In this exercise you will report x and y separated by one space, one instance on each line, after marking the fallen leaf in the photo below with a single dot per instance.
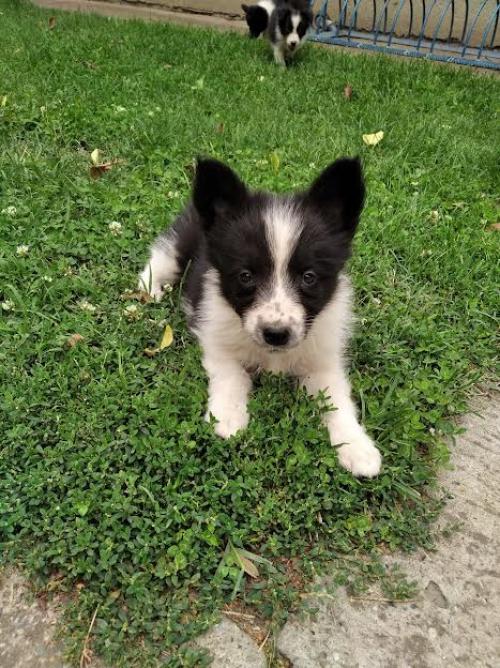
494 226
167 66
139 295
348 92
374 139
275 161
249 568
219 128
167 338
89 64
94 156
73 340
96 171
166 341
52 22
3 100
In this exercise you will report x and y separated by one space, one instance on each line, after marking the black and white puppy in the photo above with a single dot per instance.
265 289
285 23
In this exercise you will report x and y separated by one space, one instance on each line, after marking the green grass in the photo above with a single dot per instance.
111 485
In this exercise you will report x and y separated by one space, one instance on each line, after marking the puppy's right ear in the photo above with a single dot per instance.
245 8
218 193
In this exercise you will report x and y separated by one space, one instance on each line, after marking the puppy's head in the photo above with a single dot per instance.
294 19
257 19
278 257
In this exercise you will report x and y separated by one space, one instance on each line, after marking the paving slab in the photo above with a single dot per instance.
26 628
455 621
230 647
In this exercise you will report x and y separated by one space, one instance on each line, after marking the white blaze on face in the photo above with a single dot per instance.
293 39
278 306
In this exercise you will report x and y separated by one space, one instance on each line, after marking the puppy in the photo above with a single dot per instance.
264 288
285 23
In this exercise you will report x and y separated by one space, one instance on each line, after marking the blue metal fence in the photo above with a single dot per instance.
465 32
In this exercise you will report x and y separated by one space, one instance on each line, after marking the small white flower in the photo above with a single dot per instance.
43 109
9 211
47 279
115 228
120 109
7 305
172 194
22 250
262 77
132 312
87 306
158 108
167 287
376 301
434 216
151 113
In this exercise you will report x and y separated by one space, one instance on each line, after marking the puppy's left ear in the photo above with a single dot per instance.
338 194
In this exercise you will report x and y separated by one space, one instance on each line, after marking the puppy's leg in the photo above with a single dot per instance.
228 390
161 269
279 56
357 453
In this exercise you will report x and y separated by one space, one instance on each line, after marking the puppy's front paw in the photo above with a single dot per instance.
229 421
361 457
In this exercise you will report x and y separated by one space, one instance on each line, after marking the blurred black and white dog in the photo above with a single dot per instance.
265 289
284 22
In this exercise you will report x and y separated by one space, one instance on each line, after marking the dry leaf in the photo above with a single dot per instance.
167 66
52 22
3 100
219 128
167 338
151 352
73 340
94 156
494 226
89 64
275 161
139 295
249 568
348 92
96 171
374 139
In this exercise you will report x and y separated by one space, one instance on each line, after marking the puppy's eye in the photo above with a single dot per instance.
246 277
309 278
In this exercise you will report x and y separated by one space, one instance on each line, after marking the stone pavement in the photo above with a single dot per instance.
455 621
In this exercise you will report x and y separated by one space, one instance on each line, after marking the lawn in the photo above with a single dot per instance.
112 488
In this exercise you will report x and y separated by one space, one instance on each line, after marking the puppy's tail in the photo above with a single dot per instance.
170 254
257 19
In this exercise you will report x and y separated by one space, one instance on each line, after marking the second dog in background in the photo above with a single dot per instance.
284 22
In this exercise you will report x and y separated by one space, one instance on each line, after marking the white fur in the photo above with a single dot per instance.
279 306
318 361
293 38
161 270
268 5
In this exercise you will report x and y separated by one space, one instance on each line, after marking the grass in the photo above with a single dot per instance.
112 488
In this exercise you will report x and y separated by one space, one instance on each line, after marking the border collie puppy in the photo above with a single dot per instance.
285 23
264 288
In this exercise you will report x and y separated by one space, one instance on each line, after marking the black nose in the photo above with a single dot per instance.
275 336
292 45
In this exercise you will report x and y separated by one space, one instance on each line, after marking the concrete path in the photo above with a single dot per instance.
455 621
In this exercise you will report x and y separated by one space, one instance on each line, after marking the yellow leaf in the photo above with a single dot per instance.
167 338
94 156
374 139
3 100
275 161
151 352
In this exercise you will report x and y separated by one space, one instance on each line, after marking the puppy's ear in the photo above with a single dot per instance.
217 192
338 195
245 8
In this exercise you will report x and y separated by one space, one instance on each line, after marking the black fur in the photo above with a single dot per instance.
257 19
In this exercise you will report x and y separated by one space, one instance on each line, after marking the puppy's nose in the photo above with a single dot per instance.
276 336
292 45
